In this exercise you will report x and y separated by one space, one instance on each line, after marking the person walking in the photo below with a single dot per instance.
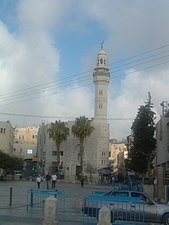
38 180
82 181
54 179
48 178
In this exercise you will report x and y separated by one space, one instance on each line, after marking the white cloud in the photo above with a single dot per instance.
134 93
29 57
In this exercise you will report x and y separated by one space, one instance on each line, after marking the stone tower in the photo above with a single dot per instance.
101 79
98 154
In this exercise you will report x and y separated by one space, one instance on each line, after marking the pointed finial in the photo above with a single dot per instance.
102 43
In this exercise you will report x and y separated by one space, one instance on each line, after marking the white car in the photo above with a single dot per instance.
127 206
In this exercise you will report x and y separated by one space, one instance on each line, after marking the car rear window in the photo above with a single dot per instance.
120 194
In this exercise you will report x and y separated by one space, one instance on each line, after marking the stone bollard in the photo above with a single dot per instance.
50 214
104 216
78 205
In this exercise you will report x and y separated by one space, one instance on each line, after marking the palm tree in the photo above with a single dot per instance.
82 129
58 132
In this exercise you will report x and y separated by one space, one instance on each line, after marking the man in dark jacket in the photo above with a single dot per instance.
48 178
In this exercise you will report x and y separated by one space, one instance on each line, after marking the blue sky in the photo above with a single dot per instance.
48 52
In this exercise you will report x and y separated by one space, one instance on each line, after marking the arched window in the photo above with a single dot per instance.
100 105
100 92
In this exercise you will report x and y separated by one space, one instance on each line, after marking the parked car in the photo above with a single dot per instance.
127 206
18 173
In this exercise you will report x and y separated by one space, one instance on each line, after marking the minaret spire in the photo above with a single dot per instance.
101 79
102 43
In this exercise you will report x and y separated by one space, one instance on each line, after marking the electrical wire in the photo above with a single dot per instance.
43 90
59 117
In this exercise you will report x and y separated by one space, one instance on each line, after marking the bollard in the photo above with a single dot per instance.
31 200
10 196
50 214
104 216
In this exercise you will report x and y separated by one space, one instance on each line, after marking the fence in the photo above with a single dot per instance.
36 198
123 211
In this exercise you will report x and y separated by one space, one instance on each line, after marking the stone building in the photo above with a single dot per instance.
6 137
96 154
162 152
25 142
117 154
25 147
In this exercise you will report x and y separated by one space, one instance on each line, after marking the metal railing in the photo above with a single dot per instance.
36 198
123 211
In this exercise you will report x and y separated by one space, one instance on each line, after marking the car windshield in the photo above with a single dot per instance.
142 197
18 172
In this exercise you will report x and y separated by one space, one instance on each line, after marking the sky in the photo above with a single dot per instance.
48 51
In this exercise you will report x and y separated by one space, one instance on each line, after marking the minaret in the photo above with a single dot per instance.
101 79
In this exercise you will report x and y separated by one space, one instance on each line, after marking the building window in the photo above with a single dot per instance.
29 151
34 136
21 137
61 153
54 166
1 130
100 92
100 105
54 152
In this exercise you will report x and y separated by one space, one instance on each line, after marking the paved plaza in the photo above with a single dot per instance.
18 214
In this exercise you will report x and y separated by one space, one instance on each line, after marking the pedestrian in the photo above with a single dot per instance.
38 180
48 178
82 181
54 179
112 180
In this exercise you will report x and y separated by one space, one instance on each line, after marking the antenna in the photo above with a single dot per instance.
164 105
102 43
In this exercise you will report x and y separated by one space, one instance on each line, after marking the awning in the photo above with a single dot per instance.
106 170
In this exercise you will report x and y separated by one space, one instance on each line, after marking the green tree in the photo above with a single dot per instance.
142 151
90 169
82 129
14 163
10 163
58 132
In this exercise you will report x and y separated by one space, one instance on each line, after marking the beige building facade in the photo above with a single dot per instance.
117 154
162 154
6 137
25 142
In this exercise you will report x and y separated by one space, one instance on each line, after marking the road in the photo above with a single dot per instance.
17 213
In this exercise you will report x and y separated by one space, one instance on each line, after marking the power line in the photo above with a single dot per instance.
140 54
72 88
50 86
54 117
84 72
138 64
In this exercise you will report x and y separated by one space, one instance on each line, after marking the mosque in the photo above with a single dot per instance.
96 154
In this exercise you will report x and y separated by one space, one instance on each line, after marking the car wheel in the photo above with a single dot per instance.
166 219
